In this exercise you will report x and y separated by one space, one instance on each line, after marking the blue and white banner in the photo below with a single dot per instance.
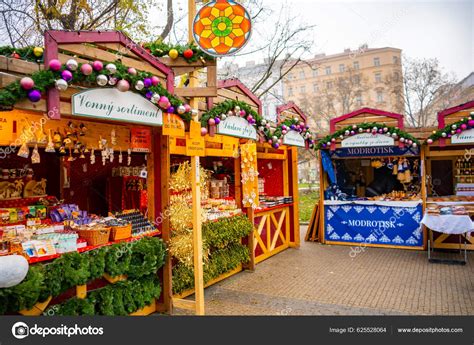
374 151
372 224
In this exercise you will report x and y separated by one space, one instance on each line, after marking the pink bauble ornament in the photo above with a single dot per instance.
463 126
269 141
26 83
211 122
301 124
368 130
132 71
187 108
470 123
123 85
55 65
333 140
154 80
429 141
242 113
86 69
163 102
458 130
249 118
97 65
203 130
284 131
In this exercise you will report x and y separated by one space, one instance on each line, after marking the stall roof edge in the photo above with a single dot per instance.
235 82
443 113
290 105
372 111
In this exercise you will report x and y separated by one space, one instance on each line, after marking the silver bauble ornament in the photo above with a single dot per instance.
113 81
181 109
101 80
61 85
71 64
139 85
237 109
223 117
111 68
155 98
444 135
194 112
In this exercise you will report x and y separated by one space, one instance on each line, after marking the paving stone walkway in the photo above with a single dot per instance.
325 280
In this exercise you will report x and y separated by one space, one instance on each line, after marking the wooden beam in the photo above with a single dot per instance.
182 62
196 91
184 304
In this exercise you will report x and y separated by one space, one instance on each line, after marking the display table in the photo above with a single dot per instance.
374 223
449 224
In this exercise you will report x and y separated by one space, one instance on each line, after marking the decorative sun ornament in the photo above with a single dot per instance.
222 27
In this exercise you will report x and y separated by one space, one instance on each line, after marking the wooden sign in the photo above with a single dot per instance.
111 104
368 140
237 126
173 125
195 147
140 139
465 137
195 129
293 138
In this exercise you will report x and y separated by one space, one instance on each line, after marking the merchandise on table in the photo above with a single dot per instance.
213 209
451 198
272 201
140 224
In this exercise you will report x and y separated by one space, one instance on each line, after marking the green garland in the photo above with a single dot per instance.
25 53
119 299
13 92
160 49
229 105
220 262
221 233
287 125
449 129
323 143
72 269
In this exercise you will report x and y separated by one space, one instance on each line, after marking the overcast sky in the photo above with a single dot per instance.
424 29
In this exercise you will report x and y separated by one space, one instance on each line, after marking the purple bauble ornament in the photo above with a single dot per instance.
148 94
283 127
352 132
97 65
249 118
170 110
55 65
66 75
380 130
86 69
154 80
292 126
217 120
27 83
324 145
276 145
147 82
34 95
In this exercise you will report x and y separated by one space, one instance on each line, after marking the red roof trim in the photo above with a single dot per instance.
290 105
234 82
398 117
443 113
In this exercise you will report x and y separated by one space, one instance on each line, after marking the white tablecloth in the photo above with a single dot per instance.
448 224
412 203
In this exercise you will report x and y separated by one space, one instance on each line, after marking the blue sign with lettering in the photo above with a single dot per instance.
374 151
374 224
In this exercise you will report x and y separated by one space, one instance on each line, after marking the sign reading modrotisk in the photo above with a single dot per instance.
111 104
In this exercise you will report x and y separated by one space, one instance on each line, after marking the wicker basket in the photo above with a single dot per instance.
120 232
95 237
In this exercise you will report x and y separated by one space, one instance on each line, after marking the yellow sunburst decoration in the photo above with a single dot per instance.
222 27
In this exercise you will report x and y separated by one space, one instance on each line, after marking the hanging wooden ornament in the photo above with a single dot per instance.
50 146
92 156
24 151
120 157
42 137
113 137
35 156
129 157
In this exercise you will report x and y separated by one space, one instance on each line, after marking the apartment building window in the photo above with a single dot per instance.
301 74
356 65
356 79
396 76
359 100
315 72
328 70
290 76
342 68
395 60
379 96
290 91
378 77
315 87
303 89
376 61
329 85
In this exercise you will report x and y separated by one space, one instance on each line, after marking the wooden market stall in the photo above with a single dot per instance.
450 175
371 192
98 144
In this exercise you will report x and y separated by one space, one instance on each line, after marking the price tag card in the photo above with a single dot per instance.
195 147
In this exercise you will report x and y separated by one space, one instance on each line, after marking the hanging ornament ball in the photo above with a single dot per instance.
388 133
147 82
230 113
203 131
236 108
341 137
414 145
101 80
470 123
27 83
155 80
429 141
211 122
15 55
111 68
55 65
276 145
368 130
113 81
453 131
354 126
296 119
333 140
170 110
458 130
353 132
454 126
360 130
269 141
284 131
38 51
243 112
181 109
163 102
34 95
444 135
264 122
86 69
249 118
463 126
132 71
72 64
173 53
97 65
223 117
66 75
187 108
217 120
402 140
139 85
61 85
149 94
385 129
394 135
268 125
283 127
188 53
194 112
410 142
302 124
274 138
155 98
380 130
346 133
123 85
261 128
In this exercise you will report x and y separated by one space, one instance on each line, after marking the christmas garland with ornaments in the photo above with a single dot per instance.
104 74
452 129
223 110
375 128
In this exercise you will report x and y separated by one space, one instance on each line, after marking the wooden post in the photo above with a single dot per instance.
251 241
296 196
321 199
423 191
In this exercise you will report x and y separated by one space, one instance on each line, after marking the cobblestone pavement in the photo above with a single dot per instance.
324 280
